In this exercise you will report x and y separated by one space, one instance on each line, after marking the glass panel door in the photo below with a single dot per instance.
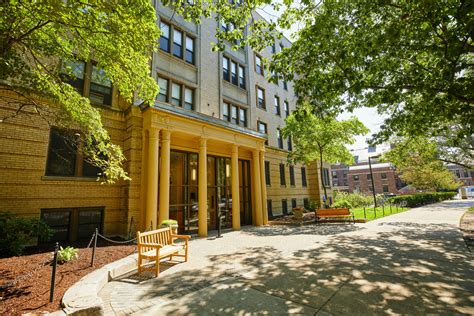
244 190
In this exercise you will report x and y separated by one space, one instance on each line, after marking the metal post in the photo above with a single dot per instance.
390 204
95 245
396 208
375 211
365 215
372 180
219 215
383 210
53 273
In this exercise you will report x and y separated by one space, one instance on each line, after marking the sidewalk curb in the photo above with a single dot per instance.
83 297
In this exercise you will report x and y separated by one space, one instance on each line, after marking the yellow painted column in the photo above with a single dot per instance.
152 179
143 180
257 188
235 188
164 210
264 187
202 188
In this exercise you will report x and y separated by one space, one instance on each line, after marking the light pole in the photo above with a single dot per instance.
372 180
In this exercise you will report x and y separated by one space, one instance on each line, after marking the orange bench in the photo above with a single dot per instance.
158 244
334 213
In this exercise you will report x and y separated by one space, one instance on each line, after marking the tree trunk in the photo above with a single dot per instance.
322 177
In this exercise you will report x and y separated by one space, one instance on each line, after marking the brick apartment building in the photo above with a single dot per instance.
211 143
357 178
465 175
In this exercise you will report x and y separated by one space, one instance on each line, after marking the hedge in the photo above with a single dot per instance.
419 199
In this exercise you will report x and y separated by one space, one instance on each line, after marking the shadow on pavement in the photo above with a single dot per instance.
313 229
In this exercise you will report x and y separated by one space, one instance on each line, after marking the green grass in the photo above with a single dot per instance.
370 214
471 209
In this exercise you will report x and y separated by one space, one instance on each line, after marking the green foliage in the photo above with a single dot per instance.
419 199
168 223
411 60
18 232
416 159
322 139
119 35
67 254
351 200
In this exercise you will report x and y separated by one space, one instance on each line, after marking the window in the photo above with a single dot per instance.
356 177
101 87
292 175
369 177
383 175
356 159
259 65
286 108
65 158
183 43
285 85
233 70
306 203
234 114
269 208
277 106
176 93
165 37
303 177
293 203
326 177
241 77
274 50
225 69
72 72
73 224
177 43
466 173
279 139
261 98
281 47
385 188
282 174
284 207
290 144
236 75
188 99
163 95
262 128
334 174
267 173
371 149
189 50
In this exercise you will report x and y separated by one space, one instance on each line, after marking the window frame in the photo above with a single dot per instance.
282 175
268 180
276 103
240 108
279 139
259 68
183 51
183 87
264 102
292 176
261 123
304 181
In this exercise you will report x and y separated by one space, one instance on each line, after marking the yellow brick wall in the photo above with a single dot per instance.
25 190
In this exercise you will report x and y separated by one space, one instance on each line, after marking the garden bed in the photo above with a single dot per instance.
31 293
291 220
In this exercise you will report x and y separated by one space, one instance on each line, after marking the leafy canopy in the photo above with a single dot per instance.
318 138
412 60
416 159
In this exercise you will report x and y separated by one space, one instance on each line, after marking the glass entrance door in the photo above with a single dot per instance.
219 198
244 191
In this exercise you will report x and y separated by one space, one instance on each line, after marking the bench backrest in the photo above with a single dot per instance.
160 236
332 211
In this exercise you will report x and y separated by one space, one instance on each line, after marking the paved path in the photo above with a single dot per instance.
414 262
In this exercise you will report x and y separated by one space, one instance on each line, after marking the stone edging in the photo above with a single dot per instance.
82 298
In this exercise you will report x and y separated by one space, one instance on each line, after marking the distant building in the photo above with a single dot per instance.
463 174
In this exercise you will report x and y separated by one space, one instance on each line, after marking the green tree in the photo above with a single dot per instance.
417 161
37 37
321 139
412 60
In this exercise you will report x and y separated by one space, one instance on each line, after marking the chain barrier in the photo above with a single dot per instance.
116 241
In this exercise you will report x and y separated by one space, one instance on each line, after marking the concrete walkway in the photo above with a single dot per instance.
414 262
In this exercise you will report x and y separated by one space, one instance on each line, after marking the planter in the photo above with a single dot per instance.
298 213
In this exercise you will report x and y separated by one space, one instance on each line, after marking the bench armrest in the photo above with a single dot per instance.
150 245
186 237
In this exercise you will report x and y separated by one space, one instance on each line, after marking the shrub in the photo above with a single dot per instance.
419 199
168 222
352 200
18 232
67 254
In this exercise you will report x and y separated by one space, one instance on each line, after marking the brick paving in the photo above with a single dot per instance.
412 262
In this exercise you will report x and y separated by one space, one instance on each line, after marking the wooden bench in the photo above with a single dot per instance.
334 213
158 244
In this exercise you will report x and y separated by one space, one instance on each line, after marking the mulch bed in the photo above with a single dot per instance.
31 293
291 220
